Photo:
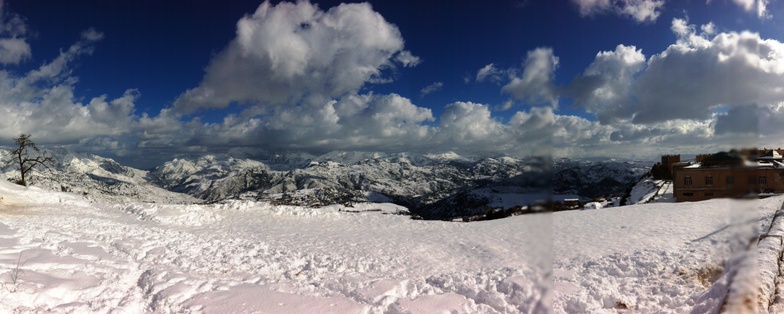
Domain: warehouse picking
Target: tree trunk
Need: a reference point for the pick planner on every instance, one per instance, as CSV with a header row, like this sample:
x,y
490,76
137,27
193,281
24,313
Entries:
x,y
21,170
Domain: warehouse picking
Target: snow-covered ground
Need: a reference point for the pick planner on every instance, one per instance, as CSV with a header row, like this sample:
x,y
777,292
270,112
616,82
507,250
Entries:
x,y
649,190
61,253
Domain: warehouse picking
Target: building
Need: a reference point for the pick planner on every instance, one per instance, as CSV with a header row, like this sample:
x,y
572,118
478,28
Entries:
x,y
729,174
664,169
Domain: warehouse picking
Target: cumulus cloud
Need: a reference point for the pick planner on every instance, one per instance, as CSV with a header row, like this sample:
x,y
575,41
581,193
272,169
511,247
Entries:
x,y
42,102
605,88
470,127
759,7
536,85
465,123
299,54
354,122
369,122
319,109
577,136
691,79
638,10
304,100
770,118
436,86
738,120
13,46
301,69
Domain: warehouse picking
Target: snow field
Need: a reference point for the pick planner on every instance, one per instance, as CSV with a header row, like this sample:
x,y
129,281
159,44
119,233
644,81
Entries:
x,y
661,258
164,258
242,256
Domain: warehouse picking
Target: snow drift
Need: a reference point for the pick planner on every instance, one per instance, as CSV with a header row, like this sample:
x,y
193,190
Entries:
x,y
63,253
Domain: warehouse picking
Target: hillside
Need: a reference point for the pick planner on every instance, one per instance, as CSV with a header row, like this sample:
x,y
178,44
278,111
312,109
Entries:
x,y
63,253
590,178
441,187
98,178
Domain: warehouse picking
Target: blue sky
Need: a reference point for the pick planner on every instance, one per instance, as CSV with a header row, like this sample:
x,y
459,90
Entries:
x,y
144,81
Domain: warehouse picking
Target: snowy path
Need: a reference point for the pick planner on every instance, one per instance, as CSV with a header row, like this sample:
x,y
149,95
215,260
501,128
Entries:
x,y
251,257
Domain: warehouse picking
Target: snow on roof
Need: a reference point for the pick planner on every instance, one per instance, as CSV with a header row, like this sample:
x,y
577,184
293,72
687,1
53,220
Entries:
x,y
772,154
746,163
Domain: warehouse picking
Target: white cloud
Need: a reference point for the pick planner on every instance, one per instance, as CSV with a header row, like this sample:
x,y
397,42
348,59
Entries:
x,y
762,9
92,35
42,102
536,85
431,88
407,59
771,118
11,24
470,127
368,122
13,46
577,136
708,29
747,5
757,6
296,53
642,10
465,123
353,122
638,10
591,7
738,120
691,79
14,50
605,88
569,131
489,72
315,118
643,104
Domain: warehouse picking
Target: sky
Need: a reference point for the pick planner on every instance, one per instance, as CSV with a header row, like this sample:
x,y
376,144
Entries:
x,y
146,81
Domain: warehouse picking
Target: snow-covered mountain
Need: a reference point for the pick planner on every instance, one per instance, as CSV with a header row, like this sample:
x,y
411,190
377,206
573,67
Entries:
x,y
410,179
442,186
96,178
595,178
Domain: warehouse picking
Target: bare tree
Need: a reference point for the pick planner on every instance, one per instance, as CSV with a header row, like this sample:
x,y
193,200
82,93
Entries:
x,y
21,157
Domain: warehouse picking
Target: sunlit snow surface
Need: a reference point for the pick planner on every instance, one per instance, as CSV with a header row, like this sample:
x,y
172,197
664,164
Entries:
x,y
243,257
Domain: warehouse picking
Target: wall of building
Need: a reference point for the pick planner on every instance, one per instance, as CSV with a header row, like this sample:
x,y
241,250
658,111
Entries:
x,y
725,182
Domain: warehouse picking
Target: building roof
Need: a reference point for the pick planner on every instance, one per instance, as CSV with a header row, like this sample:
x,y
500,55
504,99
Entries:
x,y
772,154
731,158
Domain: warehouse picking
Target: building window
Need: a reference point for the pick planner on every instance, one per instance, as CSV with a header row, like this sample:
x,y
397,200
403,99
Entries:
x,y
730,180
688,194
709,180
687,180
763,180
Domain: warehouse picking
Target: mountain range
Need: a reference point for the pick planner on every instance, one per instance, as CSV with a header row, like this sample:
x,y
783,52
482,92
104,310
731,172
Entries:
x,y
443,186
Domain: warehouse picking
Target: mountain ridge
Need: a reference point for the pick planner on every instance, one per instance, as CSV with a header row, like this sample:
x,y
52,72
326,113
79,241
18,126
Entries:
x,y
419,182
